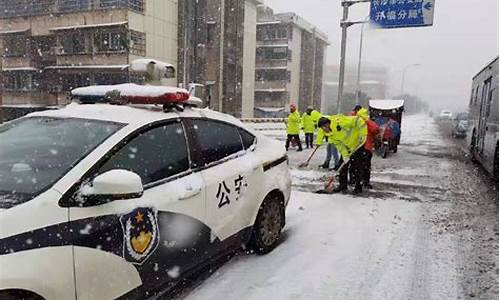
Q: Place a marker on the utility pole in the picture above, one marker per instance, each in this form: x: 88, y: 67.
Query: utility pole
x: 344, y: 23
x: 345, y: 15
x: 221, y: 54
x: 358, y: 80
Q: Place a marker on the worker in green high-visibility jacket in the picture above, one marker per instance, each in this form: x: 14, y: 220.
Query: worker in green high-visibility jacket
x: 293, y: 125
x: 309, y: 126
x: 348, y: 134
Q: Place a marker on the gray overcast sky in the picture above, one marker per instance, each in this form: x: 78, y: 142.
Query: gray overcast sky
x: 464, y: 38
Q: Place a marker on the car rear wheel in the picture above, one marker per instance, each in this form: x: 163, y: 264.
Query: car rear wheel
x: 268, y: 225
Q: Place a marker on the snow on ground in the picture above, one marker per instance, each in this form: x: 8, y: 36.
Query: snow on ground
x: 381, y: 245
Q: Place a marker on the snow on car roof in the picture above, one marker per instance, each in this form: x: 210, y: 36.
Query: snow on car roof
x: 129, y: 114
x: 386, y: 104
x: 106, y: 112
x: 126, y: 89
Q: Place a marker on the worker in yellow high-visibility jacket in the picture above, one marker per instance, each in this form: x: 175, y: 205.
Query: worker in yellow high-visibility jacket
x: 316, y: 115
x: 308, y: 126
x: 331, y: 150
x: 348, y: 134
x: 293, y: 125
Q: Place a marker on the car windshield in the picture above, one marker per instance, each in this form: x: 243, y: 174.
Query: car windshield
x: 35, y: 152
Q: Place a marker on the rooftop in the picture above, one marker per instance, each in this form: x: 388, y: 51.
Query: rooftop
x: 290, y: 17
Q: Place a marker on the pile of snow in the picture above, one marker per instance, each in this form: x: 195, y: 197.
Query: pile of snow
x: 127, y: 89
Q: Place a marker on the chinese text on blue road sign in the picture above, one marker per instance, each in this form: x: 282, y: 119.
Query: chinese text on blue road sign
x: 402, y: 13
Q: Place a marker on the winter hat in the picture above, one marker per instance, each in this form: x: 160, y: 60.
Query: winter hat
x: 323, y: 122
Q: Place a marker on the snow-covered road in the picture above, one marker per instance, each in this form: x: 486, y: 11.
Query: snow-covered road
x: 393, y: 242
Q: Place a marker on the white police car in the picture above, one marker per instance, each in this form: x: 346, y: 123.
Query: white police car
x: 101, y: 201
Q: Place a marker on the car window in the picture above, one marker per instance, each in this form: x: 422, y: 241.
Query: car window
x: 247, y: 138
x: 216, y: 140
x: 154, y: 155
x: 36, y: 151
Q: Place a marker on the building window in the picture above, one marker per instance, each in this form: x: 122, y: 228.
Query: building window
x: 20, y: 81
x: 135, y: 5
x: 264, y: 53
x: 110, y: 42
x: 110, y: 78
x: 211, y: 31
x: 272, y: 75
x: 15, y: 45
x: 72, y: 81
x: 272, y: 32
x: 16, y: 8
x: 69, y: 81
x: 137, y: 43
x: 74, y: 43
x: 74, y: 5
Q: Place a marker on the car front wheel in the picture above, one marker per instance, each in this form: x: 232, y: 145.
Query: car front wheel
x: 268, y: 225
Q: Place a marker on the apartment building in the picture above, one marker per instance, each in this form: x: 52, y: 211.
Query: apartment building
x: 49, y: 47
x: 290, y: 56
x: 217, y: 51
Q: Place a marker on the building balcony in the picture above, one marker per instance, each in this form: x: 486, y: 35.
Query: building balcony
x: 18, y: 62
x: 271, y: 63
x: 271, y: 86
x: 275, y: 42
x: 109, y: 58
x: 14, y: 8
x: 27, y: 99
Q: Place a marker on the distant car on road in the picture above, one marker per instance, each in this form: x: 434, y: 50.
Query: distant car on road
x: 460, y: 125
x: 101, y: 201
x: 445, y: 115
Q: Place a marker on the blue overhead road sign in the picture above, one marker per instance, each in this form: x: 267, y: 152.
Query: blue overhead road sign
x: 402, y: 13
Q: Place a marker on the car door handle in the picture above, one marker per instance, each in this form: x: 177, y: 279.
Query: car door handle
x: 189, y: 193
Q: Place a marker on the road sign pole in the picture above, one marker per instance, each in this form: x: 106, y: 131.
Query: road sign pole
x: 343, y: 43
x: 345, y: 24
x: 358, y: 79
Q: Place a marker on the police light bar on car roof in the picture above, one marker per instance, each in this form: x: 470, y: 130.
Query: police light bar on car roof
x: 130, y: 93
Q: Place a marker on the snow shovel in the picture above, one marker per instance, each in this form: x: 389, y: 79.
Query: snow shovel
x: 306, y: 163
x: 331, y: 182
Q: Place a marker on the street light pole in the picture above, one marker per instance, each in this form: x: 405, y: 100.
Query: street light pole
x: 358, y: 80
x: 344, y: 23
x: 403, y: 76
x: 343, y: 45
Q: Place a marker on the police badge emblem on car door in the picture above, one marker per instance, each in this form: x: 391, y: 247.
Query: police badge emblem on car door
x: 141, y: 235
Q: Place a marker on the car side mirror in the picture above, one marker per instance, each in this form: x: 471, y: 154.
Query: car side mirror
x: 112, y: 185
